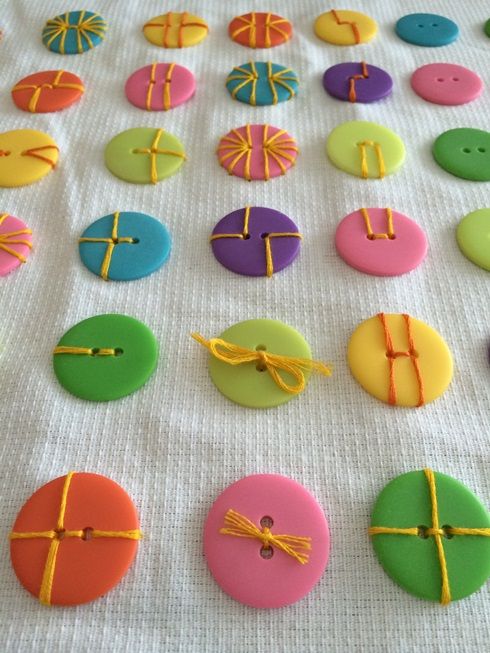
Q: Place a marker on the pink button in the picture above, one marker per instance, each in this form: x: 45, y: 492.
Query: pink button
x: 160, y: 86
x: 15, y: 243
x: 446, y: 83
x: 381, y: 242
x: 266, y: 541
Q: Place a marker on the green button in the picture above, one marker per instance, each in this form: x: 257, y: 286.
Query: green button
x: 121, y: 355
x: 473, y: 236
x: 464, y: 152
x: 412, y: 560
x: 247, y: 384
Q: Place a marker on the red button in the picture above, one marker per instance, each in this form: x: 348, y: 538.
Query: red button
x: 48, y: 91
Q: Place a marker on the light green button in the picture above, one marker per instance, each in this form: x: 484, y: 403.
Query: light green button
x: 365, y: 149
x: 473, y: 236
x: 245, y: 384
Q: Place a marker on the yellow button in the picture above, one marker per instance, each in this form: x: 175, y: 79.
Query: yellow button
x: 342, y: 27
x: 175, y: 30
x: 400, y: 360
x: 26, y: 155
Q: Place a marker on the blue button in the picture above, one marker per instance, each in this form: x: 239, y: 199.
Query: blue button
x: 74, y: 32
x: 124, y: 246
x: 428, y: 30
x: 261, y: 83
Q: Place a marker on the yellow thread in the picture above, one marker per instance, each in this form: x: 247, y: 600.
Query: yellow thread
x: 150, y: 87
x: 84, y: 351
x: 153, y: 151
x: 38, y: 88
x: 245, y: 77
x: 111, y: 243
x: 60, y: 25
x: 6, y: 240
x: 389, y: 219
x: 277, y: 150
x: 379, y: 155
x: 238, y: 525
x: 166, y: 88
x: 232, y: 354
x: 238, y: 148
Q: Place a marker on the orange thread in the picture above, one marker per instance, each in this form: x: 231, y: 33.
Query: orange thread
x: 389, y: 219
x: 392, y: 355
x: 153, y: 151
x: 6, y: 240
x: 379, y: 155
x: 168, y: 23
x: 352, y: 81
x: 34, y: 152
x: 357, y: 36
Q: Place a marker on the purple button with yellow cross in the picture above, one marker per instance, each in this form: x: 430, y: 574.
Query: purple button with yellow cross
x: 255, y: 241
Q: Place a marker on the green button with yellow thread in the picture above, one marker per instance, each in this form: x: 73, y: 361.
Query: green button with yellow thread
x: 432, y: 536
x: 105, y: 357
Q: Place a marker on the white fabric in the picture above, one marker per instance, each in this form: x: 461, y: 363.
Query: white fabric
x: 176, y: 443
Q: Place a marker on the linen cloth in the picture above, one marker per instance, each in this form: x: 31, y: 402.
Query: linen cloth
x: 177, y: 443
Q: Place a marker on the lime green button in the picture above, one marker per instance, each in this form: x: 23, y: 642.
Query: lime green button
x: 144, y: 155
x: 247, y: 384
x: 412, y: 560
x: 105, y: 357
x: 473, y: 236
x: 464, y: 152
x: 365, y: 149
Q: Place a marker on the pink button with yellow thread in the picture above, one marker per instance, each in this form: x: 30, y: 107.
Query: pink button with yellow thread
x: 160, y: 86
x: 381, y: 242
x: 15, y: 243
x: 266, y: 541
x: 257, y: 152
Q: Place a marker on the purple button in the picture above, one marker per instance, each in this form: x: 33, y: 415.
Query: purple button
x: 357, y: 82
x: 255, y: 241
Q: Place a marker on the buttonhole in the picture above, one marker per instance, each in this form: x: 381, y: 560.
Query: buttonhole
x: 60, y: 533
x: 246, y: 236
x: 87, y: 533
x: 466, y: 150
x: 118, y: 351
x: 422, y: 532
x: 392, y: 237
x: 264, y: 235
x: 435, y: 24
x: 455, y: 79
x: 261, y: 367
x: 440, y: 79
x: 447, y: 532
x: 266, y: 553
x: 94, y: 351
x: 4, y: 152
x: 482, y: 150
x: 371, y: 237
x: 415, y: 353
x: 419, y: 25
x: 267, y: 522
x: 136, y: 241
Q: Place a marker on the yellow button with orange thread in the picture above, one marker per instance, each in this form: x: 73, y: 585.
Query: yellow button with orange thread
x: 26, y: 155
x: 175, y: 30
x: 342, y: 27
x: 400, y: 360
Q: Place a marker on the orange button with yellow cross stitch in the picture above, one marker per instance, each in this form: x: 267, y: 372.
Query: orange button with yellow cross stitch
x: 400, y: 360
x: 47, y: 91
x: 74, y: 539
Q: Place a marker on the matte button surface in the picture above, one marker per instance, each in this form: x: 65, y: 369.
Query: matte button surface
x: 446, y: 83
x: 357, y: 82
x: 260, y: 30
x: 121, y: 355
x: 51, y: 90
x: 175, y: 30
x: 95, y: 538
x: 261, y: 83
x: 473, y: 236
x: 247, y: 570
x: 255, y: 241
x: 464, y: 152
x: 26, y: 155
x: 125, y: 245
x: 74, y: 32
x: 15, y: 243
x: 344, y: 27
x: 160, y: 86
x: 412, y: 560
x: 429, y: 30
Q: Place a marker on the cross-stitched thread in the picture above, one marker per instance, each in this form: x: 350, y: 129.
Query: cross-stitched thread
x: 38, y: 88
x: 181, y: 24
x: 153, y: 151
x: 111, y: 244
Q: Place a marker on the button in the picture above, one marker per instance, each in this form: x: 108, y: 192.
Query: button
x: 428, y: 30
x: 15, y: 243
x: 261, y: 83
x: 400, y: 360
x: 260, y: 30
x: 74, y: 32
x: 175, y: 30
x: 486, y: 28
x: 266, y: 541
x: 357, y: 82
x: 381, y: 242
x: 365, y: 149
x: 473, y: 236
x: 144, y: 155
x: 446, y: 83
x: 255, y: 241
x: 74, y: 539
x: 124, y: 246
x: 464, y: 153
x: 105, y: 357
x: 432, y: 536
x: 160, y: 86
x: 257, y: 152
x: 26, y: 155
x: 51, y: 90
x: 255, y: 363
x: 342, y: 27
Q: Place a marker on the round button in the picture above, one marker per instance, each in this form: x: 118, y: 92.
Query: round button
x: 26, y: 155
x: 144, y: 155
x: 105, y: 357
x: 74, y: 539
x: 257, y: 152
x: 175, y: 30
x: 15, y: 243
x: 74, y: 32
x: 381, y: 242
x: 266, y: 541
x: 365, y: 149
x: 428, y: 531
x: 400, y: 360
x: 255, y: 241
x: 446, y: 83
x: 260, y: 30
x: 357, y: 82
x: 429, y: 30
x: 473, y: 236
x: 261, y: 83
x: 51, y: 90
x: 464, y: 153
x: 160, y: 86
x: 124, y: 246
x: 342, y: 27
